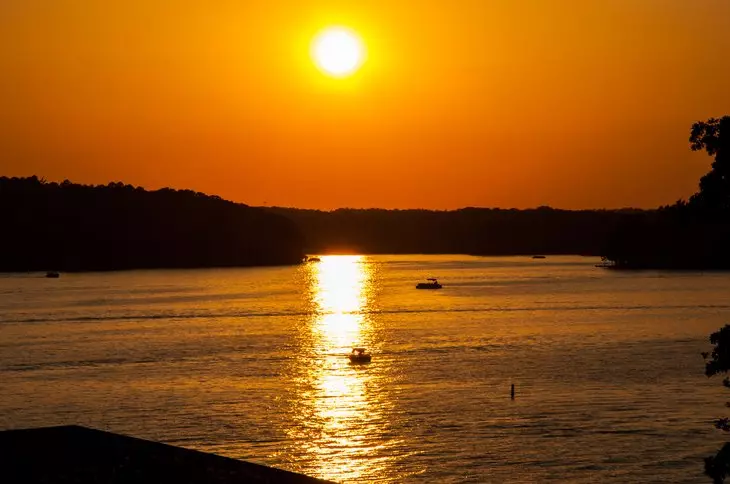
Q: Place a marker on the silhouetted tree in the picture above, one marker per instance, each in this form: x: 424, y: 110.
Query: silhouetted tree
x: 713, y: 136
x: 686, y: 235
x: 718, y: 467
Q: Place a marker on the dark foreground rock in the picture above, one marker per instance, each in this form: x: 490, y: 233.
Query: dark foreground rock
x: 79, y: 455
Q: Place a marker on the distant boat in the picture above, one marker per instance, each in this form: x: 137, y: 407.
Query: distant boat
x: 432, y: 284
x: 538, y: 257
x: 359, y: 355
x: 606, y: 265
x: 314, y: 259
x: 53, y: 275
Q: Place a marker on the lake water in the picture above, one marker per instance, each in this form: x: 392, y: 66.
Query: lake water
x: 249, y: 363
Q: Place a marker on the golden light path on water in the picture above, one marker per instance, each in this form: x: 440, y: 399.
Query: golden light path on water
x: 340, y: 294
x: 343, y: 406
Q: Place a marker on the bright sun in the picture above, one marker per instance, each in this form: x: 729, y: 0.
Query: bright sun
x: 338, y: 51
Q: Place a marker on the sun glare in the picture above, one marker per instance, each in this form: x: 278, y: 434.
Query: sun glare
x: 338, y: 51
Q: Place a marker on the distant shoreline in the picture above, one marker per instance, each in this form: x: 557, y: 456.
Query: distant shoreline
x: 160, y: 268
x: 527, y: 257
x: 471, y: 231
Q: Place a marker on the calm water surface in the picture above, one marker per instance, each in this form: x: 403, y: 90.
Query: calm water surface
x: 249, y: 363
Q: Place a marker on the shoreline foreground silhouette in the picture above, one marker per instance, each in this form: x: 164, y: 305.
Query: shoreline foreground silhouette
x: 74, y: 454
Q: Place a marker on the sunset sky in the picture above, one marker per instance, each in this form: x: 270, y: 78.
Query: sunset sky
x: 493, y: 103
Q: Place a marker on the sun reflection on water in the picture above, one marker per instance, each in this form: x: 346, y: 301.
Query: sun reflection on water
x: 340, y: 295
x: 341, y: 411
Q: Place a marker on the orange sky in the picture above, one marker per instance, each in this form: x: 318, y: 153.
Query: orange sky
x: 498, y: 103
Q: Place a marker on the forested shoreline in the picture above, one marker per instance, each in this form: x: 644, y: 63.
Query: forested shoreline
x: 71, y: 227
x: 475, y: 231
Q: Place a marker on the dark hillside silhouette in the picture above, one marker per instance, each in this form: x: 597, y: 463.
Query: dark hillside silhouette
x: 477, y: 231
x: 71, y: 227
x: 686, y: 235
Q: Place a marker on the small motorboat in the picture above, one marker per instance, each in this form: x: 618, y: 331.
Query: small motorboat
x: 314, y: 259
x: 606, y: 265
x: 359, y: 355
x: 53, y: 275
x: 432, y: 283
x: 538, y: 256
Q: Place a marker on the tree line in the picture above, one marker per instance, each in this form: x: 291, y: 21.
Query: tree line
x: 72, y: 227
x: 476, y: 231
x: 69, y: 226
